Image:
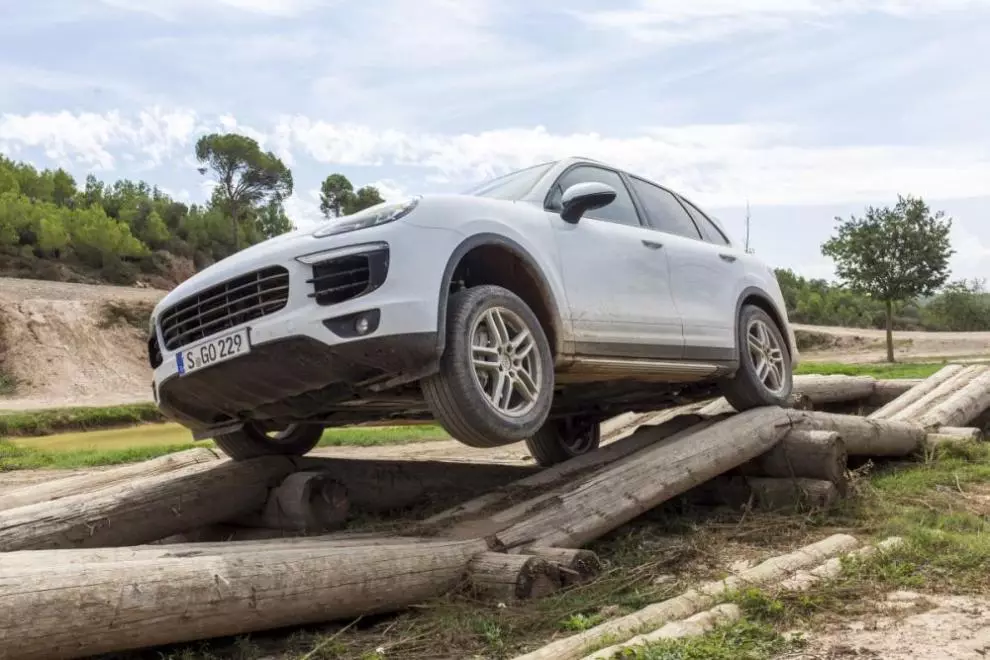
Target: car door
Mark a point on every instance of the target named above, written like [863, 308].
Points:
[615, 275]
[703, 274]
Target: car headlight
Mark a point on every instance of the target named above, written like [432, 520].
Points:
[369, 217]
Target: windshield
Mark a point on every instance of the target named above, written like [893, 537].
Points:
[512, 186]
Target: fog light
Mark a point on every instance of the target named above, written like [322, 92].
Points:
[362, 325]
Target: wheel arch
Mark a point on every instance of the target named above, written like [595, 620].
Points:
[758, 297]
[504, 262]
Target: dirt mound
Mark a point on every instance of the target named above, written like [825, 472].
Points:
[74, 344]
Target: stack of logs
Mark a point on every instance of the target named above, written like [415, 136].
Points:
[181, 548]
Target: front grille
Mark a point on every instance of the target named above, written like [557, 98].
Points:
[225, 306]
[154, 352]
[343, 278]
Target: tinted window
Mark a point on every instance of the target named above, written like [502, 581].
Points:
[512, 186]
[621, 211]
[711, 232]
[666, 213]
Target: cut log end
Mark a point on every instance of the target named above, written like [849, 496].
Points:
[505, 577]
[575, 566]
[809, 454]
[304, 501]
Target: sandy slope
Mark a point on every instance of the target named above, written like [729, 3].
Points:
[55, 349]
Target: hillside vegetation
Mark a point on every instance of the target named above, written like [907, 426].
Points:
[126, 232]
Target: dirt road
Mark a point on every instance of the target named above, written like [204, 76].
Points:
[858, 345]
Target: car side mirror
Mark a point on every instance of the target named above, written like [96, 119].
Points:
[583, 197]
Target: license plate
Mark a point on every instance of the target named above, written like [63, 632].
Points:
[212, 351]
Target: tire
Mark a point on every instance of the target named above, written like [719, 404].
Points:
[252, 442]
[458, 394]
[747, 389]
[559, 440]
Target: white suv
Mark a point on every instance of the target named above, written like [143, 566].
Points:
[530, 308]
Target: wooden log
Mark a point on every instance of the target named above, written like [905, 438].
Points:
[941, 440]
[304, 501]
[643, 437]
[802, 453]
[939, 394]
[765, 493]
[576, 566]
[835, 388]
[146, 509]
[89, 609]
[719, 407]
[691, 602]
[869, 437]
[381, 486]
[613, 496]
[787, 494]
[506, 578]
[22, 559]
[693, 626]
[886, 391]
[962, 407]
[968, 432]
[918, 391]
[85, 483]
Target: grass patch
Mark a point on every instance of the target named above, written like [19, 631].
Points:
[118, 446]
[877, 370]
[46, 422]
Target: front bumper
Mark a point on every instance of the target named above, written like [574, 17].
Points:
[304, 355]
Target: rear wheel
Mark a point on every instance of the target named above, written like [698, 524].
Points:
[764, 376]
[258, 439]
[559, 440]
[495, 382]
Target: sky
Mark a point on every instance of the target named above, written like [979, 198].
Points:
[804, 109]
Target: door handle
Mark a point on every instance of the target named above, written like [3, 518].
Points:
[727, 257]
[653, 245]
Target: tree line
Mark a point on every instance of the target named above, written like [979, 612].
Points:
[51, 227]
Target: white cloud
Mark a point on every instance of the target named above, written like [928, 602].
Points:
[718, 165]
[93, 139]
[704, 20]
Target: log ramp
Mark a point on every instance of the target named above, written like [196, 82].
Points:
[193, 545]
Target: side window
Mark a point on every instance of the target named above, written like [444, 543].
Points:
[620, 211]
[666, 213]
[712, 233]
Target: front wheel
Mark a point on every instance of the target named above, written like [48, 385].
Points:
[495, 382]
[562, 439]
[256, 439]
[764, 376]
